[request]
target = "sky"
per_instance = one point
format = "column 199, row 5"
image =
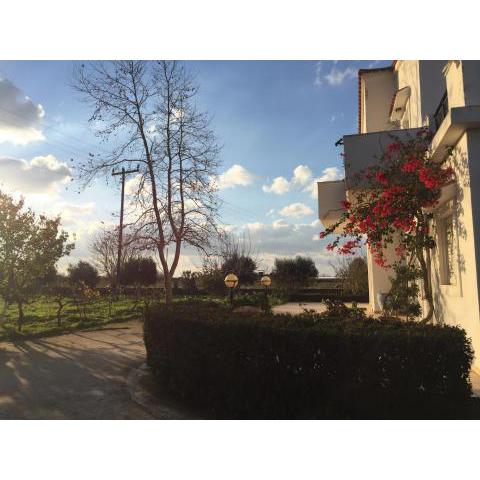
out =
column 278, row 122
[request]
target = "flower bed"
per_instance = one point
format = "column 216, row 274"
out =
column 310, row 366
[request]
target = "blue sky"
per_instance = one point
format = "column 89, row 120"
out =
column 273, row 118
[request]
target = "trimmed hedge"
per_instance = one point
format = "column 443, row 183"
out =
column 308, row 366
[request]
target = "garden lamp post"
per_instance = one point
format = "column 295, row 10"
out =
column 231, row 281
column 266, row 281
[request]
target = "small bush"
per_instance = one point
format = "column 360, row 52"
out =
column 309, row 366
column 83, row 273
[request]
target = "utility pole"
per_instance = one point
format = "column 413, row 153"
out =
column 123, row 173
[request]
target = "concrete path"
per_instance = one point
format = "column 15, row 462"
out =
column 82, row 375
column 294, row 308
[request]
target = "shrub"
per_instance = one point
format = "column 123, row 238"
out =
column 290, row 274
column 353, row 273
column 309, row 366
column 139, row 271
column 211, row 278
column 403, row 296
column 83, row 273
column 243, row 266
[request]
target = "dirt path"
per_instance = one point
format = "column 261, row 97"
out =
column 80, row 375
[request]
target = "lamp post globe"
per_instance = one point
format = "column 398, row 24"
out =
column 231, row 281
column 266, row 281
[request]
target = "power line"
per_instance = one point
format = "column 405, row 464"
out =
column 75, row 149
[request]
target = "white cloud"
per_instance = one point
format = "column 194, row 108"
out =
column 20, row 117
column 296, row 210
column 255, row 226
column 132, row 185
column 302, row 178
column 40, row 175
column 318, row 74
column 301, row 175
column 329, row 174
column 280, row 223
column 235, row 175
column 73, row 212
column 284, row 239
column 270, row 212
column 337, row 76
column 280, row 185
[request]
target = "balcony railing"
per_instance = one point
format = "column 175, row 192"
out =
column 441, row 111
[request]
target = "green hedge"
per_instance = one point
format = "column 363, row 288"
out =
column 309, row 366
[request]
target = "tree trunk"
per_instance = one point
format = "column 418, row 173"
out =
column 59, row 313
column 21, row 316
column 4, row 311
column 426, row 284
column 167, row 281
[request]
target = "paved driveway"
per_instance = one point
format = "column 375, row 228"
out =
column 81, row 375
column 294, row 308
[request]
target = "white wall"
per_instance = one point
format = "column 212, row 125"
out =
column 377, row 93
column 407, row 74
column 432, row 85
column 471, row 80
column 459, row 304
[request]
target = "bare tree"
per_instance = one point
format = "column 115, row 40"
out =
column 353, row 273
column 148, row 109
column 104, row 249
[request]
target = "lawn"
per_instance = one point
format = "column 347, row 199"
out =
column 41, row 316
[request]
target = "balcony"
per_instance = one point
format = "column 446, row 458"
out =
column 456, row 121
column 365, row 149
column 330, row 196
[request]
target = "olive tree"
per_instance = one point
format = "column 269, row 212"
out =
column 30, row 247
column 294, row 273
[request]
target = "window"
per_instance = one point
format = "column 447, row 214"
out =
column 447, row 251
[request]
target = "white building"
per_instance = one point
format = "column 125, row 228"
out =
column 444, row 95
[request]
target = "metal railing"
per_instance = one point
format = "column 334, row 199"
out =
column 441, row 111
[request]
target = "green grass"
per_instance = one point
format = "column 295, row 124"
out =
column 41, row 317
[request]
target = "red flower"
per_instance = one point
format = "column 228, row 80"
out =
column 411, row 165
column 348, row 247
column 345, row 204
column 323, row 234
column 394, row 147
column 427, row 177
column 381, row 178
column 380, row 261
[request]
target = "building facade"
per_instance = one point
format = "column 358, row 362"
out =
column 400, row 99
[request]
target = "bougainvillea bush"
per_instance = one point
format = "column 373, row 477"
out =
column 392, row 205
